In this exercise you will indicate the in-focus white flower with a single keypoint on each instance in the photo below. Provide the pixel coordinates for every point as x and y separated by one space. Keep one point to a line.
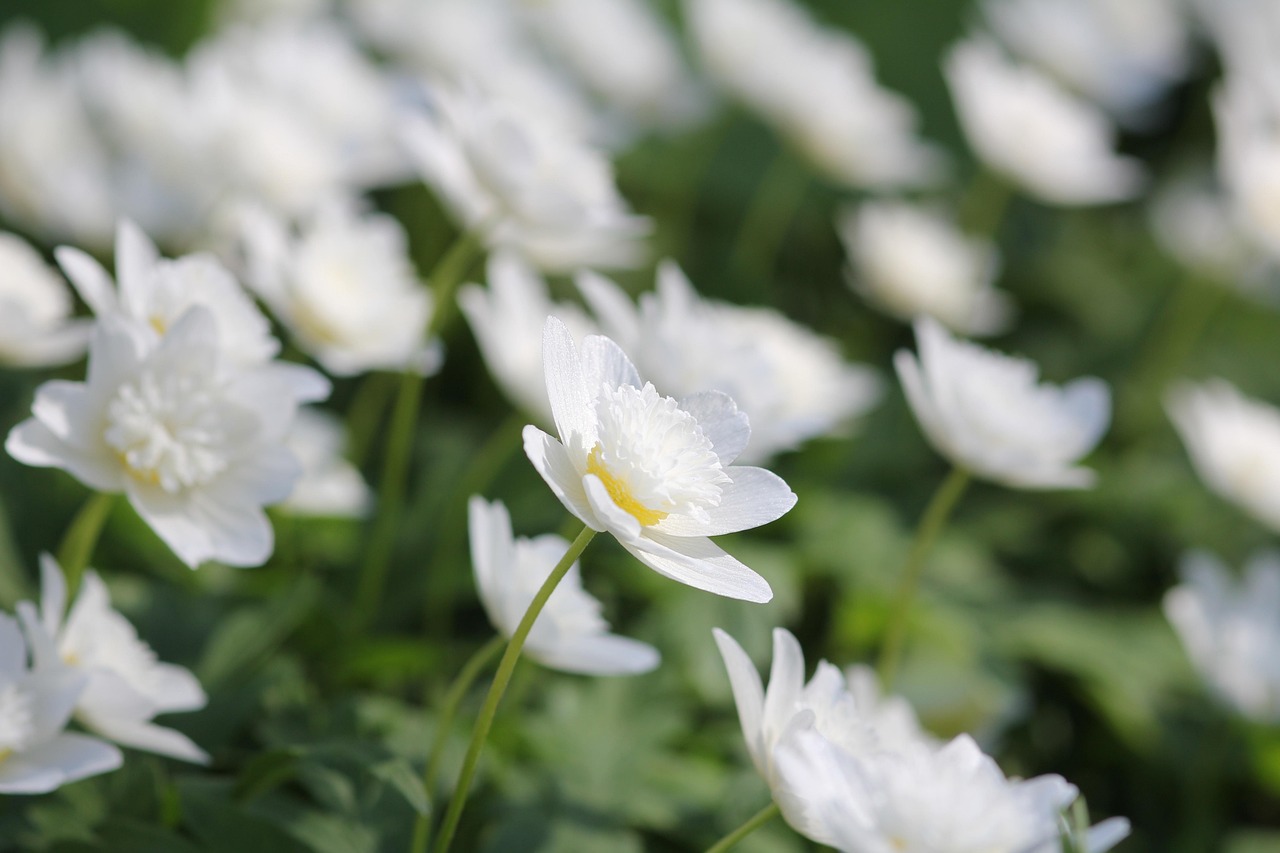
153 293
1121 54
1021 124
127 686
506 319
988 413
908 260
1231 629
921 799
196 445
791 383
36 326
817 86
656 473
570 634
847 709
1249 157
528 185
36 755
345 288
1234 444
330 485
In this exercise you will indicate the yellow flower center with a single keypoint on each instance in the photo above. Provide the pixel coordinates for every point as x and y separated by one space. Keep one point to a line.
619 492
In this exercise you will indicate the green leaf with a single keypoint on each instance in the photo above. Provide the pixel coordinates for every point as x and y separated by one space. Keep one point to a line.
401 776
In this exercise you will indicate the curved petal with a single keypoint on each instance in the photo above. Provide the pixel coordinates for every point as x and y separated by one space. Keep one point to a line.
599 654
720 420
149 737
786 682
90 280
51 347
13 649
53 594
177 689
571 400
552 462
75 756
136 257
619 522
604 363
1088 400
32 443
748 695
701 564
922 405
755 497
199 528
615 311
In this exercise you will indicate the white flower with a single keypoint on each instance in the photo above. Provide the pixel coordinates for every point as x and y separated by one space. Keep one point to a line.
1249 157
988 414
506 319
1234 444
198 447
1197 225
345 287
569 634
153 293
127 686
36 326
1022 125
909 260
528 185
846 709
330 485
1122 54
36 755
791 383
921 799
817 86
656 473
1231 629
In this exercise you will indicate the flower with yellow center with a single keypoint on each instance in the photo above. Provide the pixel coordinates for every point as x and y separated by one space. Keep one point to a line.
655 472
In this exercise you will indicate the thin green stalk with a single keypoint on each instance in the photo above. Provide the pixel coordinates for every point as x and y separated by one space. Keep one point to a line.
365 413
449 273
775 203
81 538
500 680
931 523
466 677
13 580
985 204
757 820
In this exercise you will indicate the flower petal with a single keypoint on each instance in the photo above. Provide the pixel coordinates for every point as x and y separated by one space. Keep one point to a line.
599 654
552 461
786 682
13 649
755 497
53 594
604 363
748 695
90 280
720 420
619 522
611 306
147 736
571 400
75 756
701 564
32 443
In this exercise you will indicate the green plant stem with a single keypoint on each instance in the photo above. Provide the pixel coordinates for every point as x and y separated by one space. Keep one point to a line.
931 523
985 204
13 581
76 549
756 821
404 417
452 699
365 413
500 680
775 203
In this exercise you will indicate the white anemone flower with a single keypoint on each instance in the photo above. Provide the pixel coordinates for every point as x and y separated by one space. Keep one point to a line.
793 384
198 447
526 184
1234 444
569 634
909 260
506 318
845 708
127 685
36 754
330 485
1231 629
817 86
154 292
921 799
656 473
1024 126
36 326
1195 222
988 413
345 288
1249 157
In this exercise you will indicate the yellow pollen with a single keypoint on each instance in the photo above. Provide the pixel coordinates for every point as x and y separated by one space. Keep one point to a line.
619 493
157 323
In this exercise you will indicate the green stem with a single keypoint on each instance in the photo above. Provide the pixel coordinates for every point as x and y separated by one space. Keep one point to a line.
365 413
82 536
775 203
13 580
985 204
931 523
466 677
449 273
500 680
758 820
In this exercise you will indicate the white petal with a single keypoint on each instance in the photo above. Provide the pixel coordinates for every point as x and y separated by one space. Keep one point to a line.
177 689
266 477
552 462
90 280
604 363
488 529
54 693
44 653
786 682
571 400
755 497
1108 834
615 311
701 564
921 401
53 594
721 421
600 654
748 695
1089 402
619 522
75 756
136 257
13 649
52 347
198 527
149 737
19 776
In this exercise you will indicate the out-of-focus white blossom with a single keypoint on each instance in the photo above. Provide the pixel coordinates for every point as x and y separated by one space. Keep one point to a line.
1025 127
656 473
506 318
527 185
791 383
908 260
36 327
330 486
816 86
1121 54
1197 225
344 287
127 686
36 754
1234 444
1231 629
988 413
569 634
1249 158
